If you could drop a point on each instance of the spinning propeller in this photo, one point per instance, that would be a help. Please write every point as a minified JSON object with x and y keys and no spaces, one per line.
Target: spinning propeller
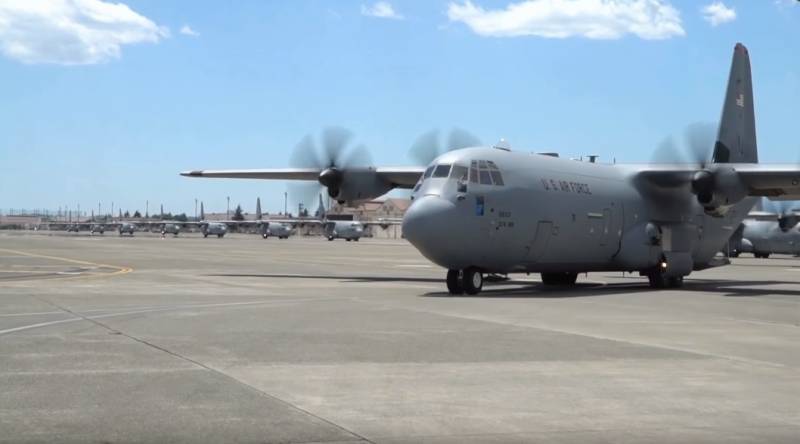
{"x":333,"y":159}
{"x":428,"y":146}
{"x":715,"y":186}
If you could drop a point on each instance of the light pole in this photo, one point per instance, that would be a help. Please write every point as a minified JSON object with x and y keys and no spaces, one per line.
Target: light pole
{"x":285,"y":202}
{"x":195,"y":208}
{"x":228,"y":211}
{"x":146,"y":209}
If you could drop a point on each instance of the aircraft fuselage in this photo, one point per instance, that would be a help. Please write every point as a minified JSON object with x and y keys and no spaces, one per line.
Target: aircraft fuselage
{"x":553,"y":214}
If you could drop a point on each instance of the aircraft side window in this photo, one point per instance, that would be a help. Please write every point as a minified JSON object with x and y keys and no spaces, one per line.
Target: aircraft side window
{"x":482,"y":164}
{"x":428,"y":172}
{"x":441,"y":171}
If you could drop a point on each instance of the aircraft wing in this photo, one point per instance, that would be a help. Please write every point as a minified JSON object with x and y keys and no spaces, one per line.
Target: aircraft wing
{"x":399,"y":177}
{"x":270,"y":173}
{"x":777,"y":182}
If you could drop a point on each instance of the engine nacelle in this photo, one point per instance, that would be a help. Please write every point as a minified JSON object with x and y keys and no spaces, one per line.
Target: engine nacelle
{"x":353,"y":186}
{"x":718,"y":189}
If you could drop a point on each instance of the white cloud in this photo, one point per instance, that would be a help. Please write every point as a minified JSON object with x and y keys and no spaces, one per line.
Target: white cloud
{"x":717,"y":13}
{"x":381,"y":10}
{"x":594,"y":19}
{"x":72,"y":32}
{"x":187,"y":30}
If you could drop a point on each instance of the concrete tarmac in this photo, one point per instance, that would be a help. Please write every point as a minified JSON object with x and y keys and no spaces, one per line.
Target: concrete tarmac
{"x":240,"y":339}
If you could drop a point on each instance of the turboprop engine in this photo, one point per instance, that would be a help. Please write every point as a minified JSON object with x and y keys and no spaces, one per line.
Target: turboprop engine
{"x":353,"y":185}
{"x":718,"y":188}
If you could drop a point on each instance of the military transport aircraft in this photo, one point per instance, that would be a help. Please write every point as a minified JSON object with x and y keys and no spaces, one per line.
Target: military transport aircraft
{"x":487,"y":210}
{"x":766,"y":232}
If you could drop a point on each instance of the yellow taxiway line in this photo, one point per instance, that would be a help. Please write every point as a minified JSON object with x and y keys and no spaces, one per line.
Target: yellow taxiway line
{"x":119,"y":270}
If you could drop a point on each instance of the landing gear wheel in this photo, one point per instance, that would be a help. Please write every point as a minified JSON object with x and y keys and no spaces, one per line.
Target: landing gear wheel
{"x":220,"y":235}
{"x":564,"y":279}
{"x":348,"y":239}
{"x":454,"y":282}
{"x":472,"y":281}
{"x":330,"y":238}
{"x":205,"y":234}
{"x":265,"y":236}
{"x":658,"y":280}
{"x":675,"y":282}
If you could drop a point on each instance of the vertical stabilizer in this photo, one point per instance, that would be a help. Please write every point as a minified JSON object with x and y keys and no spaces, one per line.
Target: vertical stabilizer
{"x":736,"y":140}
{"x":258,"y":208}
{"x":202,"y":212}
{"x":321,"y":209}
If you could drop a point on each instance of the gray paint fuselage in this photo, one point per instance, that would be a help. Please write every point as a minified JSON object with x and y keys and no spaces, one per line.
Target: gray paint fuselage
{"x":555,"y":214}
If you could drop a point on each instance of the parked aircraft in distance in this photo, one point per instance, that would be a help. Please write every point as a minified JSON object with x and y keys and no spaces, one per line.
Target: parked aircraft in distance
{"x":214,"y":228}
{"x":763,"y":233}
{"x":350,"y":230}
{"x":281,"y":230}
{"x":481,"y":210}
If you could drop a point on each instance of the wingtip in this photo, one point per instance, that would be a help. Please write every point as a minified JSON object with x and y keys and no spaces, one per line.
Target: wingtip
{"x":195,"y":173}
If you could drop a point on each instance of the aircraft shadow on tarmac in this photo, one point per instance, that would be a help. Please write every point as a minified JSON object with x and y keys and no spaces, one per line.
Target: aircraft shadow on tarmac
{"x":527,"y":289}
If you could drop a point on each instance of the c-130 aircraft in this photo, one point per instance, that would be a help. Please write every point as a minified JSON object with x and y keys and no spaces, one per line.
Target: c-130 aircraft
{"x":487,"y":210}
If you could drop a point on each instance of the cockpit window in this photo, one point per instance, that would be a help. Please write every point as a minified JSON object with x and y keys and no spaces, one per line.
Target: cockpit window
{"x":441,"y":171}
{"x":428,"y":172}
{"x":459,"y":172}
{"x":485,"y":173}
{"x":473,"y":172}
{"x":497,"y":178}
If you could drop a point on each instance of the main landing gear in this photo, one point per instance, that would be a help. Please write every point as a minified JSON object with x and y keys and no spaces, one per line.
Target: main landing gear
{"x":561,"y":279}
{"x":469,"y":281}
{"x":657,"y":280}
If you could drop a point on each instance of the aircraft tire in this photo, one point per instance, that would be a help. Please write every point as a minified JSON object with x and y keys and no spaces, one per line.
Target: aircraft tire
{"x":656,"y":279}
{"x":355,"y":239}
{"x":472,"y":281}
{"x":330,"y":238}
{"x":454,"y":282}
{"x":348,"y":239}
{"x":205,"y":234}
{"x":564,"y":279}
{"x":220,"y":236}
{"x":674,"y":282}
{"x":764,"y":256}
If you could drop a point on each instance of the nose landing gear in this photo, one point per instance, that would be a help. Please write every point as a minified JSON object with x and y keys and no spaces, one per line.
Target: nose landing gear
{"x":469,"y":281}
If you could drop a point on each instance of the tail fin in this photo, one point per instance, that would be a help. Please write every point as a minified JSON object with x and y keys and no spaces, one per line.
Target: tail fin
{"x":736,"y":140}
{"x":202,"y":212}
{"x":258,"y":208}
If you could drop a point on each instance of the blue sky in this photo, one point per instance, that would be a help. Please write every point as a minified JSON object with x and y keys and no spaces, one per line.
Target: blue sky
{"x":118,"y":119}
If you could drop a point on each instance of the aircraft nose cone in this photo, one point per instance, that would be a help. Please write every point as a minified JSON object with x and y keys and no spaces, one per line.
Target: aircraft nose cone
{"x":426,"y":223}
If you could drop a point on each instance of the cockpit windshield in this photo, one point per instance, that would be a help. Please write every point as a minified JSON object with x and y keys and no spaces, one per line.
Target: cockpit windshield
{"x":441,"y":171}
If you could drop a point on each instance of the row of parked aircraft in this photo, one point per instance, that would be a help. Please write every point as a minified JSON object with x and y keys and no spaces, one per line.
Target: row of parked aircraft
{"x":332,"y":229}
